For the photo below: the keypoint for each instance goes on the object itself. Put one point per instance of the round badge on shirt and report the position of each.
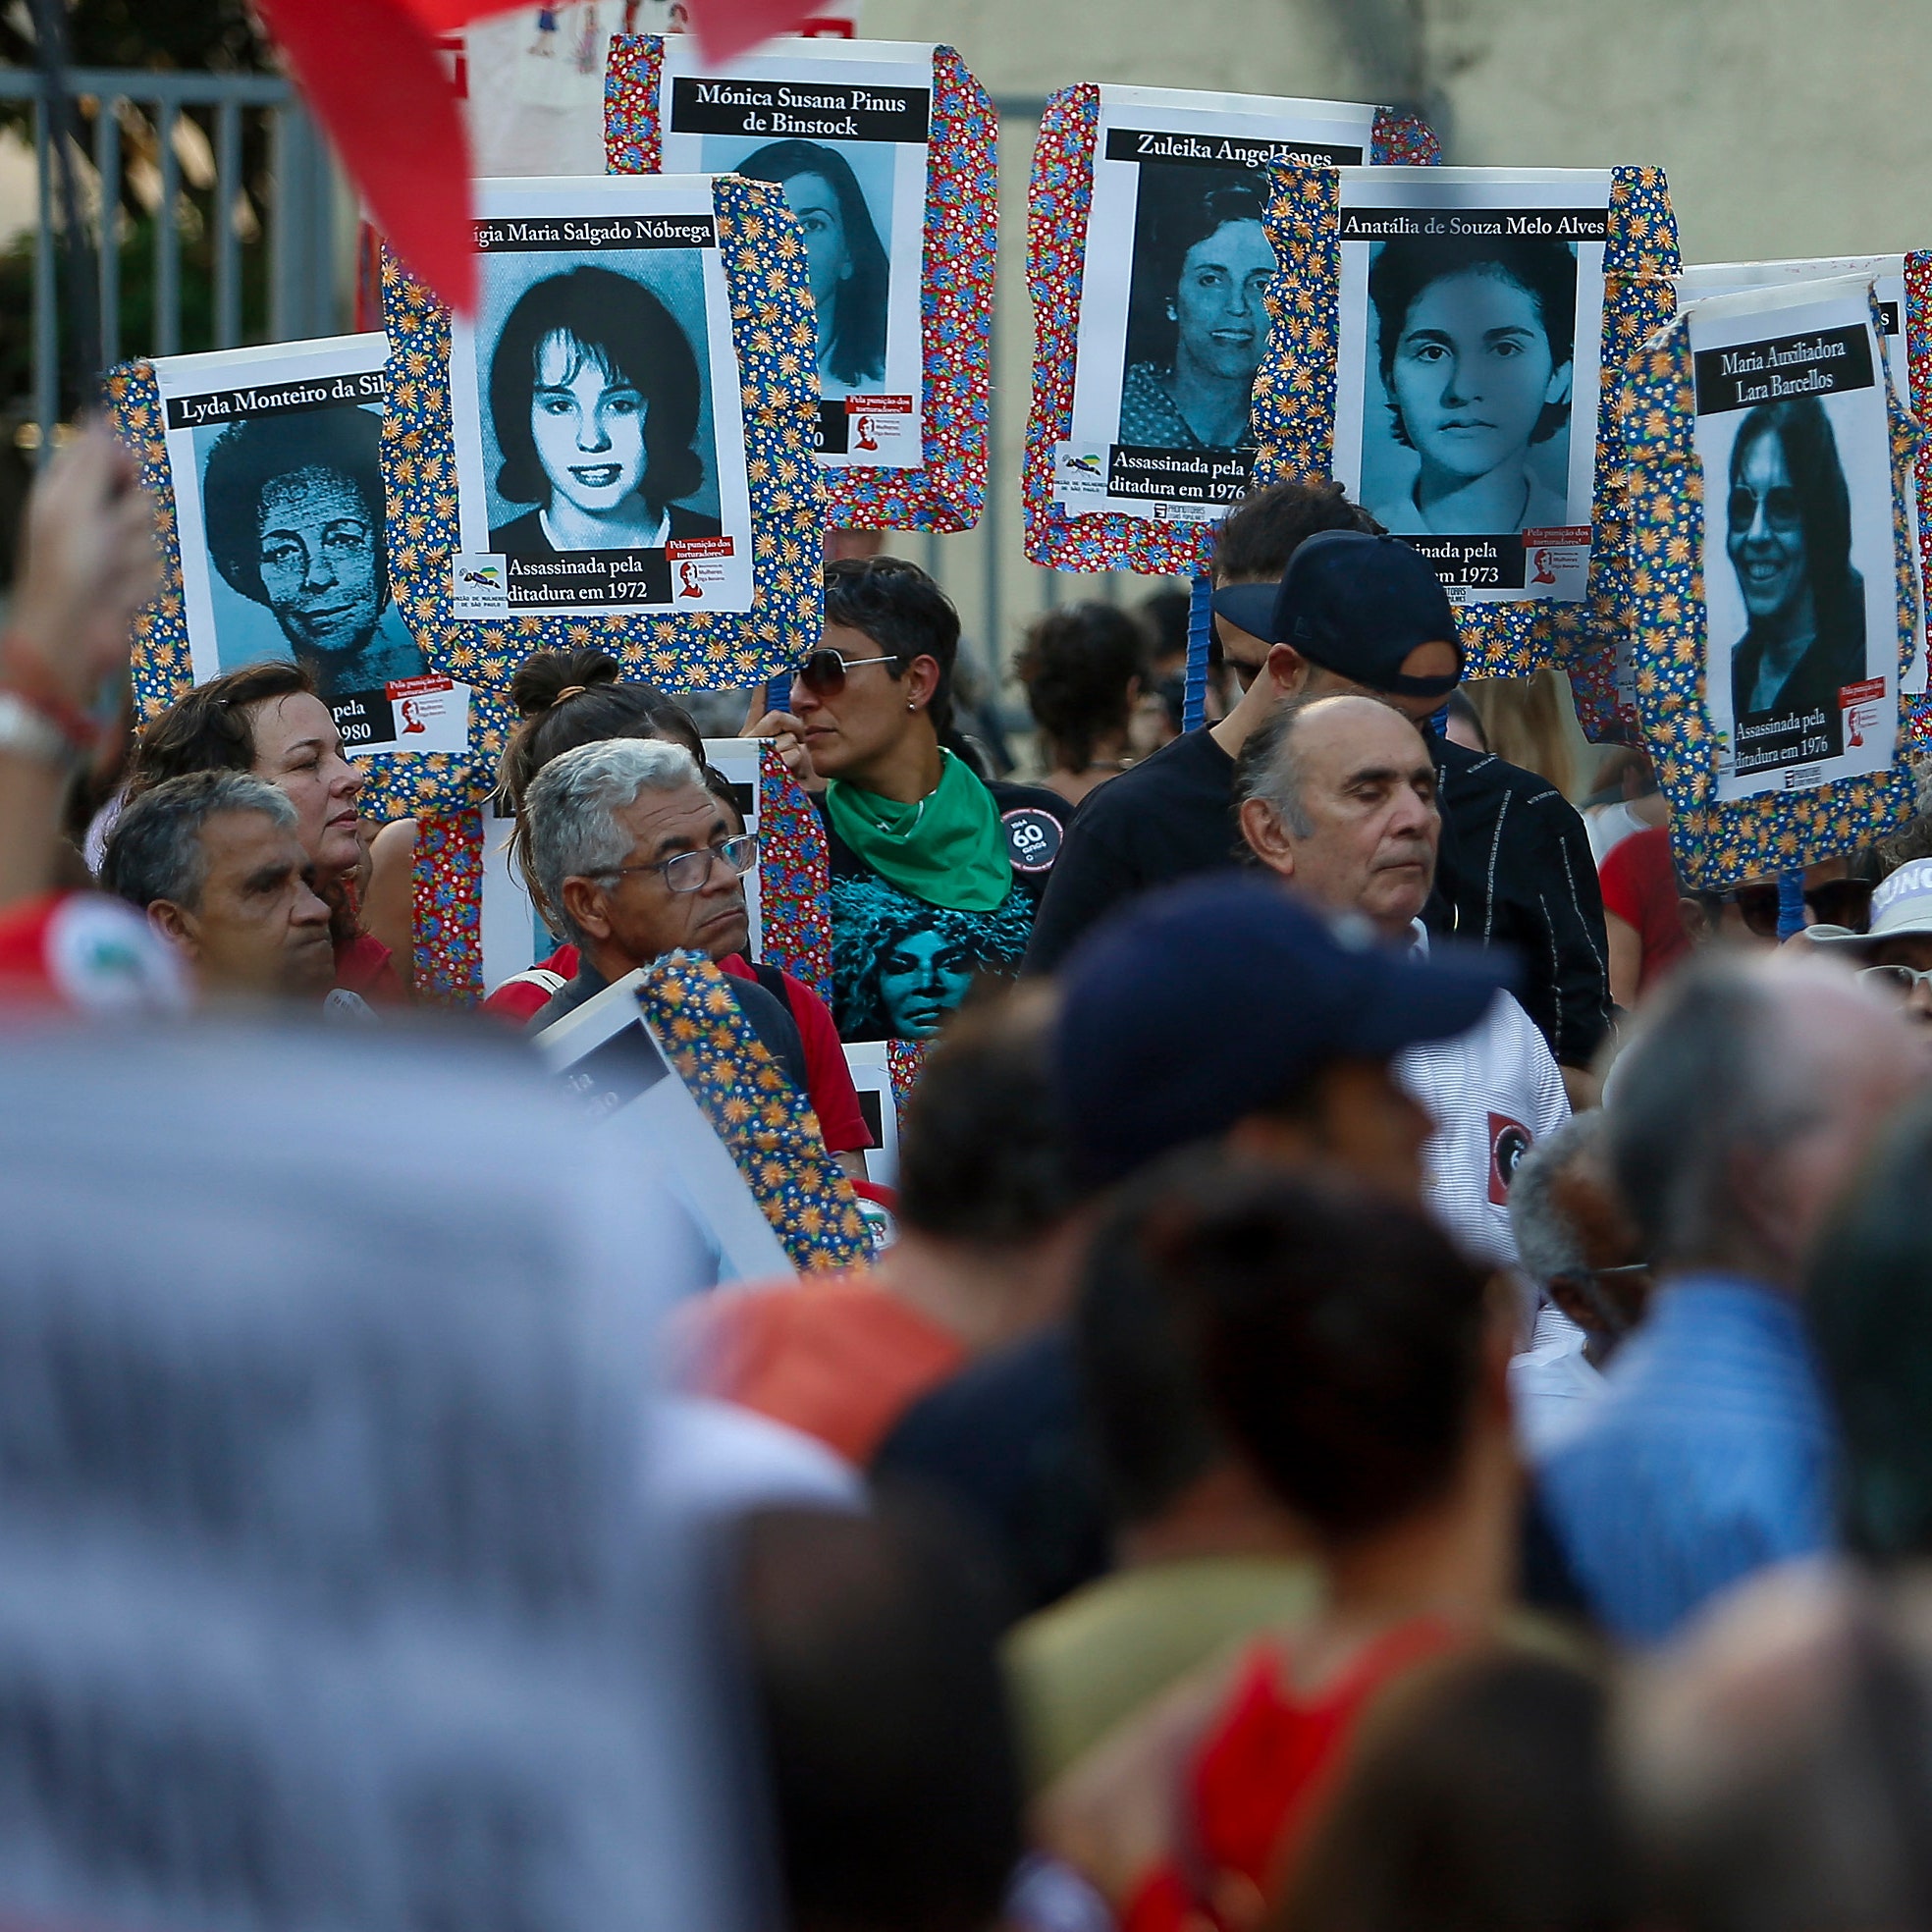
(1033, 839)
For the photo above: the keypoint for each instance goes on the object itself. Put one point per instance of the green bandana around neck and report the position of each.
(949, 849)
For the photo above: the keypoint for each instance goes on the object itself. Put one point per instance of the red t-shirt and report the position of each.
(1261, 1776)
(827, 1075)
(1640, 886)
(365, 966)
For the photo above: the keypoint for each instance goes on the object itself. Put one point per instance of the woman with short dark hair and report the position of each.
(1191, 358)
(849, 269)
(292, 508)
(1083, 667)
(1475, 340)
(594, 396)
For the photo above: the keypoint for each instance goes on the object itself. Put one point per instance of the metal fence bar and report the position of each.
(46, 311)
(227, 245)
(167, 239)
(152, 84)
(107, 164)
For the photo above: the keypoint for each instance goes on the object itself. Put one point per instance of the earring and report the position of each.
(911, 705)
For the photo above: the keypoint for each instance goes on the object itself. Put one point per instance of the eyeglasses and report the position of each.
(823, 673)
(1901, 979)
(1779, 502)
(690, 872)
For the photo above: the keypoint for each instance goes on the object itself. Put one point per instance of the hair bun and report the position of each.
(546, 677)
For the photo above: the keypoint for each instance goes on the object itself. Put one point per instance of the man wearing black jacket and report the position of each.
(1312, 600)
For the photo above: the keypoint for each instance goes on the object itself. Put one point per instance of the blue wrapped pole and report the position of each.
(1201, 631)
(1791, 903)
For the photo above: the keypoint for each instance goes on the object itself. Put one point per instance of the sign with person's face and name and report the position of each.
(1802, 598)
(1172, 320)
(843, 127)
(1887, 273)
(1468, 360)
(274, 463)
(595, 402)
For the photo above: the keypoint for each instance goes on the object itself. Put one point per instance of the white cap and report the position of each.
(1903, 903)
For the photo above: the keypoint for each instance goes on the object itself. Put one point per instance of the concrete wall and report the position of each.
(1786, 128)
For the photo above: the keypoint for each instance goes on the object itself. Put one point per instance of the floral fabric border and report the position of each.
(769, 1128)
(395, 786)
(947, 491)
(794, 876)
(1918, 368)
(1295, 404)
(1718, 844)
(1060, 197)
(765, 270)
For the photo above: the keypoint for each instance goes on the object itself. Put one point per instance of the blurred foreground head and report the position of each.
(891, 1765)
(1480, 1800)
(1750, 1095)
(1869, 1298)
(1777, 1763)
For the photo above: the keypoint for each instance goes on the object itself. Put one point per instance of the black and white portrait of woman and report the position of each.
(1475, 341)
(1196, 324)
(847, 263)
(594, 396)
(1787, 535)
(292, 508)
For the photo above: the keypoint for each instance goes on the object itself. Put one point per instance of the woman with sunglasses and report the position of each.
(1789, 539)
(572, 698)
(918, 840)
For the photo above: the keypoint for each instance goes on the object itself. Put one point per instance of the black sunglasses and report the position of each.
(1842, 902)
(823, 673)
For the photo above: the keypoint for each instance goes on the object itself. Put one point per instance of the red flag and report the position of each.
(727, 29)
(371, 72)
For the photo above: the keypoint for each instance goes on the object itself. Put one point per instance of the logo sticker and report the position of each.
(1509, 1142)
(1033, 839)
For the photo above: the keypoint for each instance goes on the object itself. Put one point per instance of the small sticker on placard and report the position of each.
(479, 586)
(1080, 476)
(1556, 562)
(697, 567)
(414, 714)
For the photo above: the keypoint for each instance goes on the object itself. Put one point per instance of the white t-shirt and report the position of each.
(1491, 1092)
(1552, 1383)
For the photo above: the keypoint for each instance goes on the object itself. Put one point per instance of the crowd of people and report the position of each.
(1392, 1399)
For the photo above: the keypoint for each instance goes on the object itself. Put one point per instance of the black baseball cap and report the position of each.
(1356, 605)
(1200, 1006)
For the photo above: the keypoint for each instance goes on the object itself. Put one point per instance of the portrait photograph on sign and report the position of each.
(1801, 603)
(1467, 368)
(1173, 324)
(595, 402)
(843, 127)
(1887, 274)
(274, 462)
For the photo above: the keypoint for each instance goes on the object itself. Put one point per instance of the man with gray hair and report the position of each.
(213, 859)
(1337, 799)
(1733, 1122)
(634, 859)
(1579, 1251)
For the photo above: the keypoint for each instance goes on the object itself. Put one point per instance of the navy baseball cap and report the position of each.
(1356, 605)
(1200, 1006)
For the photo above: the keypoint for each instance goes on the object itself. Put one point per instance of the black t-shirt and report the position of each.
(899, 965)
(1514, 869)
(1167, 819)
